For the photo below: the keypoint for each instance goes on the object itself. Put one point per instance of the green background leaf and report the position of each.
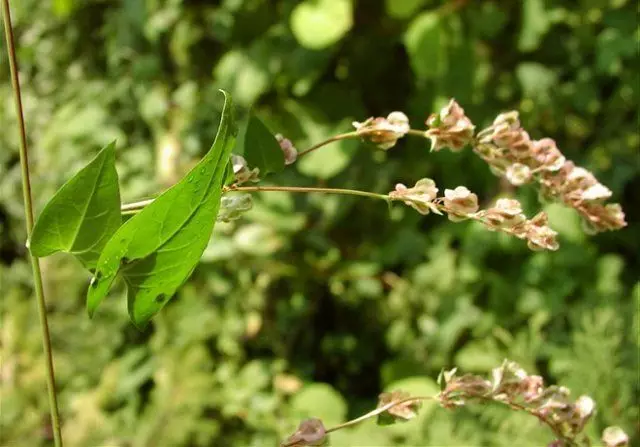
(318, 24)
(322, 401)
(82, 216)
(157, 249)
(423, 40)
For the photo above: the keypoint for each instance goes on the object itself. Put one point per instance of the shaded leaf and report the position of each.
(321, 23)
(260, 147)
(157, 249)
(423, 42)
(535, 24)
(402, 9)
(84, 213)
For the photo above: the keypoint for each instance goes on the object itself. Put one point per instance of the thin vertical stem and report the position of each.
(28, 210)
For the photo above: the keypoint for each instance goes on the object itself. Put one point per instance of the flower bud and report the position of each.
(289, 150)
(233, 206)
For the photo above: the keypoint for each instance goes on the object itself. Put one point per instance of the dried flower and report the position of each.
(460, 203)
(384, 132)
(547, 155)
(450, 128)
(310, 432)
(506, 213)
(510, 152)
(420, 197)
(288, 149)
(541, 238)
(242, 172)
(404, 411)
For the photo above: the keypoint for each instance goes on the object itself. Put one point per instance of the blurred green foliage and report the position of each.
(312, 305)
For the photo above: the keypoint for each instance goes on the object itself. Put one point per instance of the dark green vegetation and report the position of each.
(332, 293)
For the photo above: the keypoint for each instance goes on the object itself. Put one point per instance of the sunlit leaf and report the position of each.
(321, 23)
(84, 213)
(157, 250)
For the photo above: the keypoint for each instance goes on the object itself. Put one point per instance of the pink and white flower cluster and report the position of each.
(461, 204)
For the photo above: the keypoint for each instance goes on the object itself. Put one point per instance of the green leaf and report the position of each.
(423, 42)
(535, 24)
(158, 249)
(260, 147)
(402, 9)
(536, 79)
(84, 213)
(318, 24)
(319, 400)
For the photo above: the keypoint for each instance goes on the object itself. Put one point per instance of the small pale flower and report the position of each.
(585, 407)
(596, 192)
(580, 179)
(547, 154)
(459, 203)
(506, 213)
(450, 128)
(541, 238)
(420, 197)
(615, 437)
(241, 171)
(288, 149)
(604, 217)
(384, 132)
(532, 387)
(518, 174)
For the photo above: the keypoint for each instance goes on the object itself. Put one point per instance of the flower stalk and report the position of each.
(29, 220)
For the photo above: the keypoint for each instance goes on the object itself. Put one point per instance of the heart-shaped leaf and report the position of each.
(84, 213)
(260, 147)
(158, 249)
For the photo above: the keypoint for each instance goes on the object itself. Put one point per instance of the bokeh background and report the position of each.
(312, 305)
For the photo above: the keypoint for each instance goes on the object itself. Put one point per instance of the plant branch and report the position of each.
(134, 207)
(304, 189)
(354, 134)
(378, 411)
(342, 136)
(28, 209)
